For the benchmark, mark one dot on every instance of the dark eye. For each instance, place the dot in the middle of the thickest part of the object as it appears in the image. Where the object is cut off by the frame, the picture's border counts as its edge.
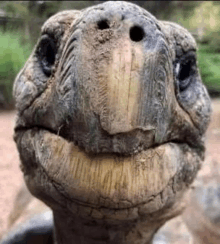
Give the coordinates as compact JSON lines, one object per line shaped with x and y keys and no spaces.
{"x":47,"y":53}
{"x":185,"y":68}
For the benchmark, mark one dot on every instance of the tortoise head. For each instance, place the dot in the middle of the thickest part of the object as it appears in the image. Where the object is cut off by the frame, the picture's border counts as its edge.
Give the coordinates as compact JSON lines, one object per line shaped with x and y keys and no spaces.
{"x":111,"y":114}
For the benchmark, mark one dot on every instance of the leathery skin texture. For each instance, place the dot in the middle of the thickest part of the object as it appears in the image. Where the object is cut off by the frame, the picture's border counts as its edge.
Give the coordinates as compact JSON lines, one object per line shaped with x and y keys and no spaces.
{"x":111,"y":119}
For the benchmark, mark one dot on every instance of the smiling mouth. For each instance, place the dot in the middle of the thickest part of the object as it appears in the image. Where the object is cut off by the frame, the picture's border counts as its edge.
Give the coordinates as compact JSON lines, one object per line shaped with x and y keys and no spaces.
{"x":146,"y":181}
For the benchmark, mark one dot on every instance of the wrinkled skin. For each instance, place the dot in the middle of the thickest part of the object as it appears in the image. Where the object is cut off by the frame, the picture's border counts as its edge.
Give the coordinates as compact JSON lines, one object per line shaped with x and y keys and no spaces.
{"x":111,"y":120}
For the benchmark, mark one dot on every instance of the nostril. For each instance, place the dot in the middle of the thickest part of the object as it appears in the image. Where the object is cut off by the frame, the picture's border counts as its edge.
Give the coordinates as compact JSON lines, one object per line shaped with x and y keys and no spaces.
{"x":136,"y":33}
{"x":103,"y":24}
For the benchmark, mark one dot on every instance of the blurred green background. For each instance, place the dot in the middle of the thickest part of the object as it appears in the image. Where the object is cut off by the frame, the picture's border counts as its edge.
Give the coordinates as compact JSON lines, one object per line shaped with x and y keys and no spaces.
{"x":20,"y":23}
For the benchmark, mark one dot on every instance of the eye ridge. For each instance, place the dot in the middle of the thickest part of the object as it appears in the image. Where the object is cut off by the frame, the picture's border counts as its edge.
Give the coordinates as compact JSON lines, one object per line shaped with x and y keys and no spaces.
{"x":47,"y":53}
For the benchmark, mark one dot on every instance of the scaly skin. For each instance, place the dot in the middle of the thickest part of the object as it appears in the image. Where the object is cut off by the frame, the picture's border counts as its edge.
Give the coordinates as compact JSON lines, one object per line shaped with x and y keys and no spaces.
{"x":111,"y":120}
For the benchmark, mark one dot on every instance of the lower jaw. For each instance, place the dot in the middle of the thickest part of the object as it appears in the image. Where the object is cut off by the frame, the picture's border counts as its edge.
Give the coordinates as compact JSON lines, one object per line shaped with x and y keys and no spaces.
{"x":108,"y":188}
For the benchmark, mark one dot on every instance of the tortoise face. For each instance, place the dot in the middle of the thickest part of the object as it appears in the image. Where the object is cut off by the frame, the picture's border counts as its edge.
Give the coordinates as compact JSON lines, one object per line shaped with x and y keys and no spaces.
{"x":111,"y":112}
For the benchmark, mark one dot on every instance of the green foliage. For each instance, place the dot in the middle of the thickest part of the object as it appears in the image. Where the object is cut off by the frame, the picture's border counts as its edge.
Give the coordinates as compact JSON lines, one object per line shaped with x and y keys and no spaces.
{"x":215,"y":41}
{"x":13,"y":55}
{"x":212,"y":38}
{"x":15,"y":8}
{"x":209,"y":64}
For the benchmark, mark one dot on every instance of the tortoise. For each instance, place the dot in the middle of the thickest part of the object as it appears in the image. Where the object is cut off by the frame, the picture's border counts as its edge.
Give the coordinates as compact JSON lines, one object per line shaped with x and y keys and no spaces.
{"x":111,"y":119}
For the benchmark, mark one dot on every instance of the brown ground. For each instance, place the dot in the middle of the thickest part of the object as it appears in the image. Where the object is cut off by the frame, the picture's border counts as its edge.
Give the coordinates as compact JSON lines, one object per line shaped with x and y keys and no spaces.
{"x":213,"y":142}
{"x":11,"y":177}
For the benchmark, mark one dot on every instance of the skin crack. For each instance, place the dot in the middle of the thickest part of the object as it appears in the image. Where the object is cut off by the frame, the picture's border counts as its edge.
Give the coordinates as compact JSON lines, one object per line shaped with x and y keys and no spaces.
{"x":103,"y":211}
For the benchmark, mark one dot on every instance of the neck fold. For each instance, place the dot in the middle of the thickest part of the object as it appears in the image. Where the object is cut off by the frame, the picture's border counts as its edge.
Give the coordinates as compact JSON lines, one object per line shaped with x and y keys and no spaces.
{"x":75,"y":230}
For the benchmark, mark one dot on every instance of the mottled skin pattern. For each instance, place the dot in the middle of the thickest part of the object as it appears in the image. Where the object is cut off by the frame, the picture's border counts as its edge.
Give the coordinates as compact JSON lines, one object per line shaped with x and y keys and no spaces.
{"x":111,"y":120}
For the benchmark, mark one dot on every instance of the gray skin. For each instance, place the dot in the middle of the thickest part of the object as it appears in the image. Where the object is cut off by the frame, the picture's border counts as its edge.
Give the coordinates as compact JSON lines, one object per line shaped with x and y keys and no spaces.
{"x":111,"y":119}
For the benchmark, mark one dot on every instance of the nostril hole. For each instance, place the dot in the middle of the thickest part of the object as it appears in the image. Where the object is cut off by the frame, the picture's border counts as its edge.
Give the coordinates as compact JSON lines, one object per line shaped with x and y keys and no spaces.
{"x":136,"y":33}
{"x":103,"y":24}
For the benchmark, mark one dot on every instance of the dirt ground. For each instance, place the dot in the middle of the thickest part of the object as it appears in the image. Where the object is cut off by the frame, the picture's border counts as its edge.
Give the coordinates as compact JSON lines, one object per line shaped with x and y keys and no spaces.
{"x":11,"y":177}
{"x":10,"y":174}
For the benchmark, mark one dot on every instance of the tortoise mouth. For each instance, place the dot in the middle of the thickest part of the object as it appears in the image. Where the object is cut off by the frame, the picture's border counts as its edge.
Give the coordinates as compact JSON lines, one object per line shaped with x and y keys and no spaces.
{"x":143,"y":183}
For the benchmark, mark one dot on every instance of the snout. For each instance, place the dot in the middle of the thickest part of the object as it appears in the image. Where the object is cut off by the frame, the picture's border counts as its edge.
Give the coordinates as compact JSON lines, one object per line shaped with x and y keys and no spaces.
{"x":107,"y":86}
{"x":118,"y":47}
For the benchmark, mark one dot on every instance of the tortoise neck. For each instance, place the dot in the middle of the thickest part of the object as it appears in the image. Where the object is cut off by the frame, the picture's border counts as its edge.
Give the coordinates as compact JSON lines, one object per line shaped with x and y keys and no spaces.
{"x":75,"y":230}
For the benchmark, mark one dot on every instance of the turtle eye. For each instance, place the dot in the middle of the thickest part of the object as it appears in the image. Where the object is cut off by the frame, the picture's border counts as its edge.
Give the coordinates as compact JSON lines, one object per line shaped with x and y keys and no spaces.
{"x":47,"y":54}
{"x":185,"y":68}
